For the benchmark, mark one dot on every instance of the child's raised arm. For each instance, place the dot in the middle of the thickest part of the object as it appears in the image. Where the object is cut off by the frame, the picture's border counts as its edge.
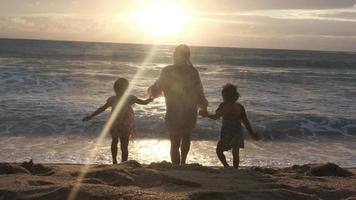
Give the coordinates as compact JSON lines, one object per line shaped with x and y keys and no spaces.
{"x":97,"y":112}
{"x":247,"y":124}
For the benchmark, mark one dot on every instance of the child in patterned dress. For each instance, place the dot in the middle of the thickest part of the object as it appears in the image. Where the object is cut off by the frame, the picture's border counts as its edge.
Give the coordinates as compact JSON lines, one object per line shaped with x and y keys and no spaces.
{"x":123,"y":126}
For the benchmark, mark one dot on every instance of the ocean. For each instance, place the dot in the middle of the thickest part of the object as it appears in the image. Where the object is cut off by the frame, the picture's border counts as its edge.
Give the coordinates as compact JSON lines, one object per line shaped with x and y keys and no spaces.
{"x":302,"y":102}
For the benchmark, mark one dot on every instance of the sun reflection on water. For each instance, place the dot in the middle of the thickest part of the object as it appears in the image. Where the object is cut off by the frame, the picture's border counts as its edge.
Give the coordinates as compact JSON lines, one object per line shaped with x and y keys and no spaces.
{"x":152,"y":150}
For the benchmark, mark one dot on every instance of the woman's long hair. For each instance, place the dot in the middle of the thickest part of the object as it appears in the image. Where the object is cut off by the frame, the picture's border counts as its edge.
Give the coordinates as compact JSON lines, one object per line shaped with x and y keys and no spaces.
{"x":182,"y":55}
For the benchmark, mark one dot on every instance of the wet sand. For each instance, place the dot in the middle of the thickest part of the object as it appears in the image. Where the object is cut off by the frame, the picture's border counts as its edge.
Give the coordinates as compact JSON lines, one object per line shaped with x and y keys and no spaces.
{"x":131,"y":180}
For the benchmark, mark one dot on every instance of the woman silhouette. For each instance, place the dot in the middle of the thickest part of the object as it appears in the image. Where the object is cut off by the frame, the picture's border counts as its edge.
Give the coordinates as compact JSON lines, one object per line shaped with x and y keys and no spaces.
{"x":184,"y":95}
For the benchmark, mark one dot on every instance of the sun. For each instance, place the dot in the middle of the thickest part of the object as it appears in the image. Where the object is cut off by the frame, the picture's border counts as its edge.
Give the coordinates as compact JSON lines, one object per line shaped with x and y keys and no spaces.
{"x":161,"y":19}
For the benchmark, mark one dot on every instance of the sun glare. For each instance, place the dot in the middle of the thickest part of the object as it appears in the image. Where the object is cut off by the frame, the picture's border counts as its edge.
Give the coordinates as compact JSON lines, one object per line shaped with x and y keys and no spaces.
{"x":161,"y":19}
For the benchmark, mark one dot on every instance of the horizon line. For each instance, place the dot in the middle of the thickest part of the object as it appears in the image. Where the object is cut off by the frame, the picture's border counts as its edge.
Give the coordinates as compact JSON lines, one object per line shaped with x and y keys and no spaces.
{"x":166,"y":44}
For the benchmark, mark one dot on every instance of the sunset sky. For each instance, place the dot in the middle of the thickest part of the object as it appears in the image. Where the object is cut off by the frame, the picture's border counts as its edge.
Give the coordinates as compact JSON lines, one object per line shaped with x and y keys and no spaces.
{"x":286,"y":24}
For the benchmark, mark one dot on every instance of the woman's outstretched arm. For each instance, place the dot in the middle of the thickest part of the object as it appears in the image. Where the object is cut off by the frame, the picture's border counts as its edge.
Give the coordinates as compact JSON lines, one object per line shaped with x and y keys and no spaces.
{"x":202,"y":101}
{"x":155,"y":90}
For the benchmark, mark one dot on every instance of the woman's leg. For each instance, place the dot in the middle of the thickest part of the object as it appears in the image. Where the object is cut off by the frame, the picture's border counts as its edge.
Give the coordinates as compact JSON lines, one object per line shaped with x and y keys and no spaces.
{"x":175,"y":144}
{"x":124,"y":143}
{"x":185,"y":146}
{"x":221,"y":156}
{"x":114,"y":142}
{"x":236,"y":156}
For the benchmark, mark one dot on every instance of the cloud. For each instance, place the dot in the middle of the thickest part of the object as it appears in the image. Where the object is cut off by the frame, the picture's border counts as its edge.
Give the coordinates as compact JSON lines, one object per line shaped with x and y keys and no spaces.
{"x":335,"y":24}
{"x":254,"y":23}
{"x":14,"y":7}
{"x":294,"y":29}
{"x":339,"y":14}
{"x":243,"y":5}
{"x":73,"y":27}
{"x":327,"y":15}
{"x":272,"y":27}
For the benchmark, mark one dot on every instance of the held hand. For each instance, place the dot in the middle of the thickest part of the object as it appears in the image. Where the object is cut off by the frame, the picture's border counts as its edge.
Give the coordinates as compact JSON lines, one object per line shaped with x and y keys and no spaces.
{"x":86,"y":119}
{"x":256,"y":136}
{"x":203,"y":113}
{"x":154,"y":92}
{"x":151,"y":97}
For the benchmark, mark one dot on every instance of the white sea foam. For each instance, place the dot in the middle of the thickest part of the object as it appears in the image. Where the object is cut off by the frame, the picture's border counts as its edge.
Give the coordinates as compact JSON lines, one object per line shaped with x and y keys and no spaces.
{"x":74,"y":149}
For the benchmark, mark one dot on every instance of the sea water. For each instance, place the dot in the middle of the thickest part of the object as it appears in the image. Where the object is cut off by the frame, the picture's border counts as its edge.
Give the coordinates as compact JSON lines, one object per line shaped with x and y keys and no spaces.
{"x":301,"y":102}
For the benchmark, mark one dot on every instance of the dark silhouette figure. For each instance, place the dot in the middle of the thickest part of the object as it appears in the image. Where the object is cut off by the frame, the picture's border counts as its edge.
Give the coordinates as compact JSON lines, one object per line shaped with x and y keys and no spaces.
{"x":232,"y":113}
{"x":124,"y":125}
{"x":184,"y":95}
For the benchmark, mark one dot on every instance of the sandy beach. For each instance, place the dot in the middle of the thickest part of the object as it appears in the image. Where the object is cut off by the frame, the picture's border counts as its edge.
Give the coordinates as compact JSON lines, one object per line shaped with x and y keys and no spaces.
{"x":131,"y":180}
